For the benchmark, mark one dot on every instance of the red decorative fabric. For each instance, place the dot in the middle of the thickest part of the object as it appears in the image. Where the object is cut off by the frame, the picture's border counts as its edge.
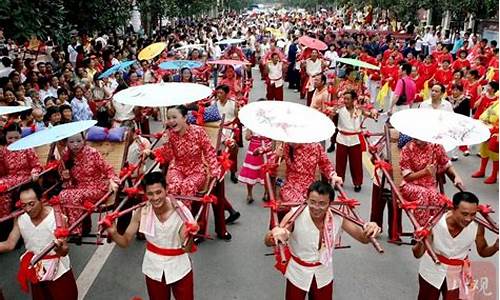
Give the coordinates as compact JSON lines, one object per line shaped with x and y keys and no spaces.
{"x":19,"y":165}
{"x":89,"y":181}
{"x":301,"y":170}
{"x":187,"y":155}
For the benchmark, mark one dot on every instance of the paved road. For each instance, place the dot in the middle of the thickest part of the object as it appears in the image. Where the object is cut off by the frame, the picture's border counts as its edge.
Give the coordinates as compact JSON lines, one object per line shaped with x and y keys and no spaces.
{"x":240,"y":269}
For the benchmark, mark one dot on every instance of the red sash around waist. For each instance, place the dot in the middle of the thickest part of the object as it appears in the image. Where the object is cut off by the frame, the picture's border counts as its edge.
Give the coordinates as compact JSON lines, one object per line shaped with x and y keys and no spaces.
{"x":305,"y":263}
{"x":360,"y":136}
{"x":164,"y":251}
{"x":451,"y":261}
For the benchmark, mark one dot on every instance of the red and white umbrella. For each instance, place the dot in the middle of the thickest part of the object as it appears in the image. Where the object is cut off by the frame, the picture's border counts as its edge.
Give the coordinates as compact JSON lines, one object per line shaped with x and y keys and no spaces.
{"x":312,"y":43}
{"x":286,"y":121}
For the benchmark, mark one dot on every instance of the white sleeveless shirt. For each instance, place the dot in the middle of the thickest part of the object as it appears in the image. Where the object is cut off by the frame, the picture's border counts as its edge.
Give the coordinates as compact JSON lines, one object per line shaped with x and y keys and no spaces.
{"x":303,"y":243}
{"x":167,"y":235}
{"x":36,"y":238}
{"x":276,"y":73}
{"x":445,"y":245}
{"x":228,"y":109}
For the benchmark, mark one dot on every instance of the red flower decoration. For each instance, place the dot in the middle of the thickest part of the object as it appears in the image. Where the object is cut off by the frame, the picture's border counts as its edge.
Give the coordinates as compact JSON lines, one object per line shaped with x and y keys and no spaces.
{"x":19,"y":204}
{"x":128,"y":170}
{"x":89,"y":206}
{"x":158,"y":135}
{"x":209,"y":199}
{"x":444,"y":200}
{"x":33,"y":128}
{"x":268,"y":168}
{"x":53,"y":164}
{"x":484,"y":208}
{"x":132,"y":191}
{"x":273,"y":205}
{"x":225,"y":162}
{"x":26,"y":273}
{"x":381,"y":164}
{"x":421,"y":233}
{"x":159,"y":157}
{"x":61,"y":232}
{"x":109,"y":219}
{"x":3,"y":188}
{"x":351,"y":202}
{"x":54,"y":200}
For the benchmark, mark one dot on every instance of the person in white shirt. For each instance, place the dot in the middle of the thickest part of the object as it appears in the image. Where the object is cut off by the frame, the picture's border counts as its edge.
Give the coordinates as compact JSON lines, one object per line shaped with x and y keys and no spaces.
{"x":331,"y":55}
{"x":52,"y":277}
{"x":168,"y":227}
{"x":350,"y":142}
{"x":309,"y":270}
{"x":437,"y":101}
{"x":452,"y":239}
{"x":274,"y":82}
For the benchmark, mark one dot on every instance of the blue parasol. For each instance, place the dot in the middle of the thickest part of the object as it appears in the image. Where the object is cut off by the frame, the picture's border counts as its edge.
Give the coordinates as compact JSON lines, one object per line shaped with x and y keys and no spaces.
{"x":51,"y":135}
{"x":116,"y":68}
{"x":179,"y":64}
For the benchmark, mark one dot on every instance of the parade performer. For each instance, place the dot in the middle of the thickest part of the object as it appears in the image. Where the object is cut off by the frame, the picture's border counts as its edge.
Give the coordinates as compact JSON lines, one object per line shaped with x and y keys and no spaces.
{"x":350,"y":142}
{"x":312,"y":67}
{"x":274,"y":81}
{"x":51,"y":278}
{"x":250,"y":172}
{"x":19,"y":166}
{"x":452,"y":239}
{"x":229,"y":108}
{"x":489,"y":149}
{"x":166,"y":264}
{"x":302,"y":161}
{"x":486,"y":99}
{"x":232,"y":81}
{"x":310,"y":270}
{"x":87,"y":178}
{"x":321,"y":96}
{"x":420,"y":163}
{"x":187,"y":150}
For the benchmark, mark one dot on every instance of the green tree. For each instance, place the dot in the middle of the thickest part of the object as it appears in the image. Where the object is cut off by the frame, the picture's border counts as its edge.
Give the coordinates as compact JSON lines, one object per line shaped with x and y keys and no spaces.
{"x":22,"y":19}
{"x":98,"y":15}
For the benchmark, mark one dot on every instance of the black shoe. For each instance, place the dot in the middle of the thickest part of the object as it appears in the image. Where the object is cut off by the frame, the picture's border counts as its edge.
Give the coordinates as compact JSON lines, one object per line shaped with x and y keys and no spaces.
{"x":331,"y":148}
{"x":357,"y":188}
{"x":226,"y":236}
{"x":75,"y":239}
{"x":198,"y":240}
{"x":265,"y":198}
{"x":234,"y":179}
{"x":233,"y":217}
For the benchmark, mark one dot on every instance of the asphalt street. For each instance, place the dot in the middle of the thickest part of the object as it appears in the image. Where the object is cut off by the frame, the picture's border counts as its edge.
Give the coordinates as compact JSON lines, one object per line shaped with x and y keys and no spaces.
{"x":241,"y":268}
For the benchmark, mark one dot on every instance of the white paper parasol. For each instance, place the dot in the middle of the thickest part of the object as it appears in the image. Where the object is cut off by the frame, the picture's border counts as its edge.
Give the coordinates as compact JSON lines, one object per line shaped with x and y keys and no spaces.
{"x":6,"y":110}
{"x":51,"y":135}
{"x":286,"y":121}
{"x":163,"y":94}
{"x":440,"y":127}
{"x":230,"y":41}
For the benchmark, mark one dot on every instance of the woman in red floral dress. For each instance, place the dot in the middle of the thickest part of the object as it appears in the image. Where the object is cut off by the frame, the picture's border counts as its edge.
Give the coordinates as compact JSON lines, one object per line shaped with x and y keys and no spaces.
{"x":87,"y":178}
{"x":188,"y":150}
{"x":302,"y":160}
{"x":420,"y":162}
{"x":18,"y":166}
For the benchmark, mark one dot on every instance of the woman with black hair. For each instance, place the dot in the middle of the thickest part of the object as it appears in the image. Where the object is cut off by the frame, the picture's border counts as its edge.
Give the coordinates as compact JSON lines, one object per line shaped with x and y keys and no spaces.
{"x":87,"y":177}
{"x":188,"y":150}
{"x":18,"y":165}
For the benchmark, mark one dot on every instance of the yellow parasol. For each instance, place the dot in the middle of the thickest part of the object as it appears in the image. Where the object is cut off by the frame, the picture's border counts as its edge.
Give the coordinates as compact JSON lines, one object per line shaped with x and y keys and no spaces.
{"x":152,"y":51}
